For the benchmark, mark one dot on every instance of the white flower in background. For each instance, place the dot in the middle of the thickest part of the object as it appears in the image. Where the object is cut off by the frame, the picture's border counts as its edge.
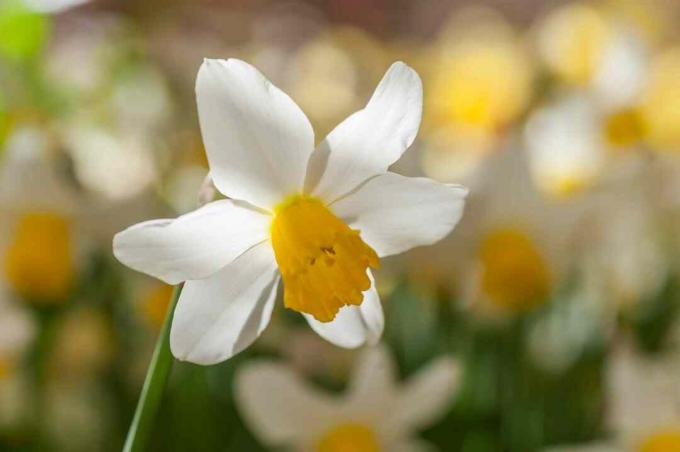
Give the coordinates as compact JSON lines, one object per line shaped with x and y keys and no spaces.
{"x":513,"y":246}
{"x":318,"y":219}
{"x":470,"y":107}
{"x":37,"y":241}
{"x":376,"y":413}
{"x":643,"y":403}
{"x":629,"y":253}
{"x":578,"y":134}
{"x":111,"y":164}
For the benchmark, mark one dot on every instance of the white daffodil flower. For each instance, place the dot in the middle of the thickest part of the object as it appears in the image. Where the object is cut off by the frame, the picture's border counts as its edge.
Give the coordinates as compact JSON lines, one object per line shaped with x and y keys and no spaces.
{"x":579,"y":133}
{"x":318,"y":219}
{"x":376,"y":414}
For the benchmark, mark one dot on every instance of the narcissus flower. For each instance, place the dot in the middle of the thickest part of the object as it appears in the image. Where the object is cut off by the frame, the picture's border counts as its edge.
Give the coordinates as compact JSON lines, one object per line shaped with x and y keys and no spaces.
{"x":376,"y":414}
{"x":318,"y":219}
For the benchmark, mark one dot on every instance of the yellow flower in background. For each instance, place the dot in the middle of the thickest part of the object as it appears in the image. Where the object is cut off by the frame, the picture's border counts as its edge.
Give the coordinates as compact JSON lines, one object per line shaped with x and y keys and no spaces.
{"x":376,"y":414}
{"x":469,"y":106}
{"x":664,"y":440}
{"x":584,"y":135}
{"x":513,"y":246}
{"x":514,"y":273}
{"x":344,"y":61}
{"x":571,"y":41}
{"x":38,"y":254}
{"x":39,"y":263}
{"x":154,"y":304}
{"x":661,"y":102}
{"x":318,"y":219}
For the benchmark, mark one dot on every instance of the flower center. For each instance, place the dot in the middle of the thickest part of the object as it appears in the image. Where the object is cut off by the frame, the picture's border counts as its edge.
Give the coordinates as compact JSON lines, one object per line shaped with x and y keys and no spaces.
{"x":623,"y":128}
{"x":662,"y":441}
{"x":514,"y":273}
{"x":349,"y":438}
{"x":322,"y":261}
{"x":38,"y":261}
{"x":467,"y":89}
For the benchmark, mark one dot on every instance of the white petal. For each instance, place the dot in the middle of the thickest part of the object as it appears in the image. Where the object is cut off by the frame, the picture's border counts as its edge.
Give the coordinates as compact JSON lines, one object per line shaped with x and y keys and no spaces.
{"x":395,"y":213}
{"x":426,"y":396}
{"x":354,"y":326}
{"x":193,"y":246}
{"x":219,"y":316}
{"x":622,"y":72}
{"x":374,"y":371}
{"x":278,"y":406}
{"x":257,"y":139}
{"x":373,"y":384}
{"x":370,"y":140}
{"x":564,"y":143}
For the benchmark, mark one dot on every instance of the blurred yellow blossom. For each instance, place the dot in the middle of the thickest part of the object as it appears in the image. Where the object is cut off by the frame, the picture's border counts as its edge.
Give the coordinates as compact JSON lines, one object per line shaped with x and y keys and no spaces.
{"x":39,"y":261}
{"x":468,"y":105}
{"x":154,"y":304}
{"x":514,"y":272}
{"x":571,"y":40}
{"x":661,"y":102}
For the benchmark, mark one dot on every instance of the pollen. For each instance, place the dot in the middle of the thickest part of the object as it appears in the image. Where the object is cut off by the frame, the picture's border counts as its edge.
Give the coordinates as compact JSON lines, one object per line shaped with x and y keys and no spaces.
{"x":322,"y":261}
{"x":349,"y":438}
{"x":514,"y":273}
{"x":39,"y":261}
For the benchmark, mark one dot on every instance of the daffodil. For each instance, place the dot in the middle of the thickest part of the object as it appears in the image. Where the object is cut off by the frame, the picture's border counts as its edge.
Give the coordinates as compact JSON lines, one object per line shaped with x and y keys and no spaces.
{"x":470,"y":108}
{"x":318,"y":219}
{"x":587,"y":128}
{"x":377,"y":413}
{"x":513,"y":246}
{"x":38,"y":253}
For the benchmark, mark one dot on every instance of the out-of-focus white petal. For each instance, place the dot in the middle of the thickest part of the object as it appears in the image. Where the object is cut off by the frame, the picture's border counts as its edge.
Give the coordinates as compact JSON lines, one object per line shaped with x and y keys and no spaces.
{"x":354,"y":326}
{"x":565,"y":145}
{"x":395,"y":213}
{"x":278,"y":406}
{"x":257,"y":139}
{"x":219,"y":316}
{"x":370,"y":140}
{"x":622,"y":72}
{"x":193,"y":246}
{"x":373,"y":383}
{"x":424,"y":397}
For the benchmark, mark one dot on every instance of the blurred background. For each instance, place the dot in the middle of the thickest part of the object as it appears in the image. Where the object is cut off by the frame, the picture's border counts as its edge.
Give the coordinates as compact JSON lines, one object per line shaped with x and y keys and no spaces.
{"x":557,"y":295}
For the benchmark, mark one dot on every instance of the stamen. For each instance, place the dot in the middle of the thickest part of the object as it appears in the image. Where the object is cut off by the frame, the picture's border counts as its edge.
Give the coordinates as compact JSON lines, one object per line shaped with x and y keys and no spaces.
{"x":515,"y":275}
{"x":322,"y":261}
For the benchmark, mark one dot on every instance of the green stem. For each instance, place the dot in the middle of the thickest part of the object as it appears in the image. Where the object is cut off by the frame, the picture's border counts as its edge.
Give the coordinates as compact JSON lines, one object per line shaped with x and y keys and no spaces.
{"x":154,"y":385}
